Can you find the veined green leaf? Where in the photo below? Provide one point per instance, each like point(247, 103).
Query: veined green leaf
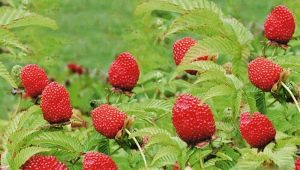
point(17, 123)
point(6, 76)
point(219, 90)
point(243, 35)
point(57, 139)
point(25, 154)
point(193, 21)
point(179, 6)
point(150, 131)
point(200, 66)
point(13, 18)
point(165, 156)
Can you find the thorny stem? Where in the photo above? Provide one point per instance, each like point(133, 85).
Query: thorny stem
point(293, 97)
point(138, 145)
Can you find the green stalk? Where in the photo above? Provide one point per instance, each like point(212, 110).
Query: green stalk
point(138, 145)
point(292, 95)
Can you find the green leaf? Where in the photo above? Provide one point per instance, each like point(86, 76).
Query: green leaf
point(18, 139)
point(25, 154)
point(58, 140)
point(165, 156)
point(13, 18)
point(214, 76)
point(218, 90)
point(148, 106)
point(193, 21)
point(179, 6)
point(237, 100)
point(9, 40)
point(261, 102)
point(223, 156)
point(284, 157)
point(17, 123)
point(162, 139)
point(243, 35)
point(6, 76)
point(149, 131)
point(200, 66)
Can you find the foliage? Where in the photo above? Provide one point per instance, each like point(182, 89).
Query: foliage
point(233, 37)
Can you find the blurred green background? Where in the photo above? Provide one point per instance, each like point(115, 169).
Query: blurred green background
point(93, 32)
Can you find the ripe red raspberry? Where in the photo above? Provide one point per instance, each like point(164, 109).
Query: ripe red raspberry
point(181, 47)
point(75, 68)
point(257, 130)
point(56, 105)
point(108, 120)
point(39, 162)
point(124, 72)
point(297, 164)
point(263, 73)
point(280, 25)
point(97, 161)
point(34, 79)
point(193, 122)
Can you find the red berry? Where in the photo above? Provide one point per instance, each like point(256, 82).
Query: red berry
point(263, 73)
point(297, 164)
point(193, 122)
point(75, 68)
point(124, 72)
point(108, 120)
point(257, 129)
point(34, 79)
point(181, 47)
point(97, 161)
point(280, 25)
point(176, 166)
point(39, 162)
point(56, 105)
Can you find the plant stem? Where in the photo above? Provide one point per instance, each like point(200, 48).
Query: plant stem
point(115, 151)
point(138, 145)
point(201, 164)
point(293, 97)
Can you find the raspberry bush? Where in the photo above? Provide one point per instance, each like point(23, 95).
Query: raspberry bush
point(193, 85)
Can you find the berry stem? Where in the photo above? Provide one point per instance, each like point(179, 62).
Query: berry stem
point(138, 145)
point(293, 97)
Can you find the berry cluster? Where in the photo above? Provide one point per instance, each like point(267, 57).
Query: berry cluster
point(192, 119)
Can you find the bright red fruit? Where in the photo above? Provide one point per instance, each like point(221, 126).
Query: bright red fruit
point(193, 122)
point(75, 68)
point(280, 25)
point(39, 162)
point(97, 161)
point(181, 47)
point(297, 164)
point(124, 72)
point(256, 129)
point(108, 120)
point(264, 73)
point(34, 79)
point(56, 105)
